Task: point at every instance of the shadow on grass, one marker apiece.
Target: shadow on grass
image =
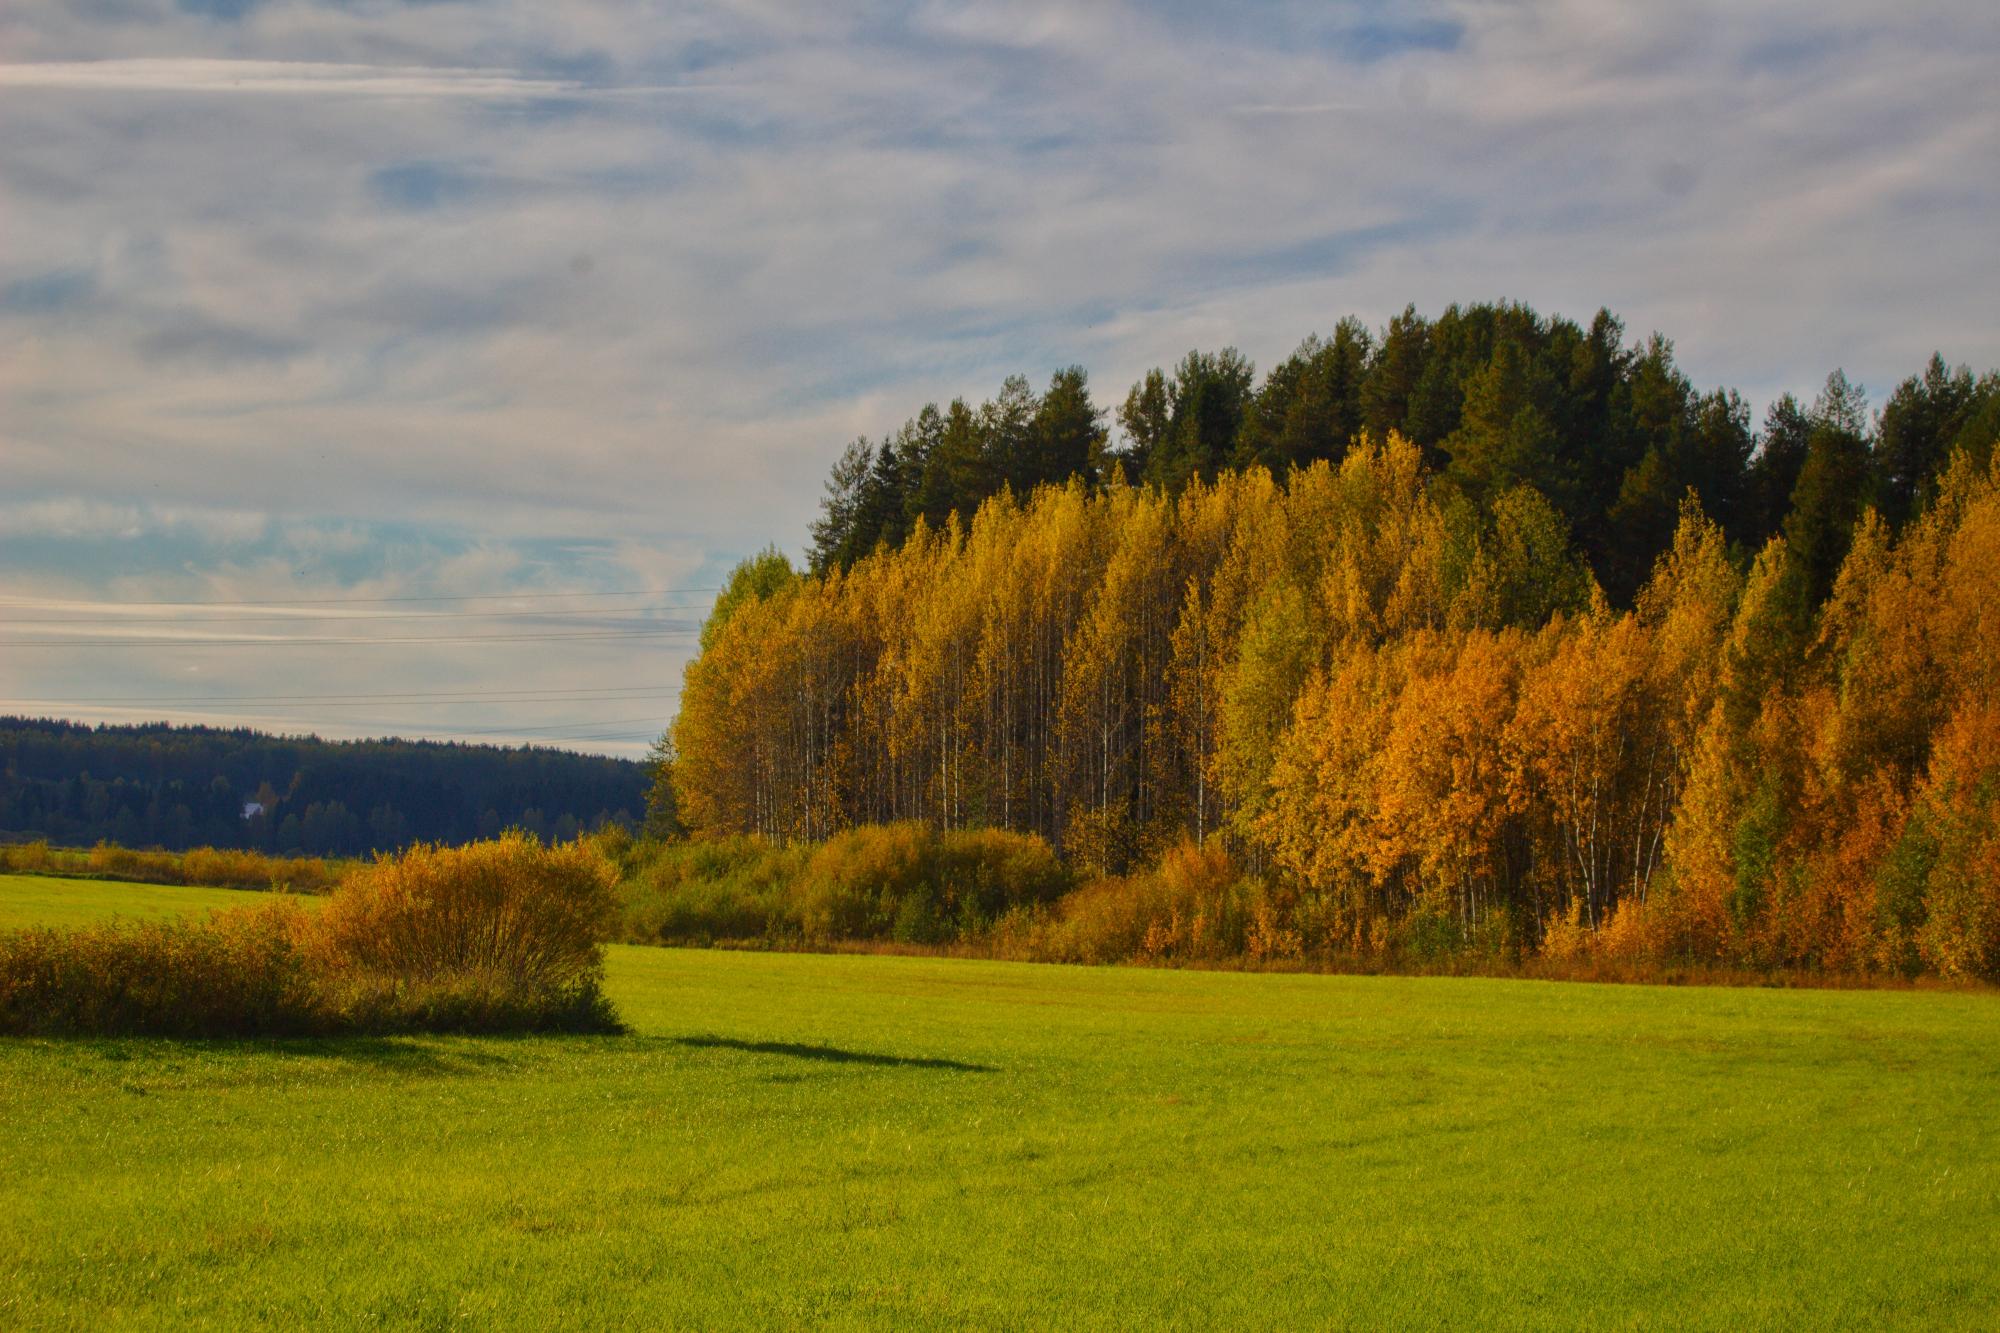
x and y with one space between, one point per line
388 1054
833 1054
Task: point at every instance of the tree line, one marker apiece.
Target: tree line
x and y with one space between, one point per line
159 785
1447 681
1493 395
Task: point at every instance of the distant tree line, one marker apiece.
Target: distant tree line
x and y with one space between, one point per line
1494 395
158 785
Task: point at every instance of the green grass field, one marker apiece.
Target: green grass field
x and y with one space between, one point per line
800 1140
50 900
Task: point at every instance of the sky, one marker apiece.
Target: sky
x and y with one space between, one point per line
505 329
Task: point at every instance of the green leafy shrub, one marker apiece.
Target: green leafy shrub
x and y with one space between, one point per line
734 889
982 874
899 881
856 882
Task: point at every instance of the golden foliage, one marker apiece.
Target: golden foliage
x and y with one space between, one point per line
492 936
1412 725
510 912
212 867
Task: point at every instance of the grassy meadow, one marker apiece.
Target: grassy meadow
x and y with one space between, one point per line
798 1139
54 900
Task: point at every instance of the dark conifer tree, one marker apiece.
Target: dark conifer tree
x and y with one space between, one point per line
1394 374
1774 469
1310 406
1717 458
1833 486
1007 439
955 474
1920 423
1206 399
879 513
1505 436
1145 418
832 532
1067 435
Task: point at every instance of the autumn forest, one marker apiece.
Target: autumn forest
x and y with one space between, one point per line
1487 632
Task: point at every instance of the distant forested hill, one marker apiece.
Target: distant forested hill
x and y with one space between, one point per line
177 787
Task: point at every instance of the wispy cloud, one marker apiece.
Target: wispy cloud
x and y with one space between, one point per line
303 78
1296 108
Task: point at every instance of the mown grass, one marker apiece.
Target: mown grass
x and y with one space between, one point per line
793 1139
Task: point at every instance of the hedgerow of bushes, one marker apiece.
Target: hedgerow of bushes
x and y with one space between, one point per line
493 936
992 894
986 891
903 882
208 867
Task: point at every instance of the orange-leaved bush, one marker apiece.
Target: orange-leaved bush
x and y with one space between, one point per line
241 972
495 936
1194 905
216 867
492 934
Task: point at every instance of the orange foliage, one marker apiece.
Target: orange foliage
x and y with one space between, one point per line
213 867
493 936
1416 724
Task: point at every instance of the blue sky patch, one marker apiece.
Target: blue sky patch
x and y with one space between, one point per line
1370 42
47 293
419 186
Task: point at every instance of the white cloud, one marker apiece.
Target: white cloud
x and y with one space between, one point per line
274 76
305 78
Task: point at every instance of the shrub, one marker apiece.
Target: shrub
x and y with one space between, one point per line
1635 931
117 862
242 972
1431 930
857 881
30 858
1104 921
899 881
236 868
1193 905
212 867
498 935
984 873
1199 902
735 888
1566 936
1275 931
906 882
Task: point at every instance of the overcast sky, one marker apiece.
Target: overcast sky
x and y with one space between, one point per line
307 303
